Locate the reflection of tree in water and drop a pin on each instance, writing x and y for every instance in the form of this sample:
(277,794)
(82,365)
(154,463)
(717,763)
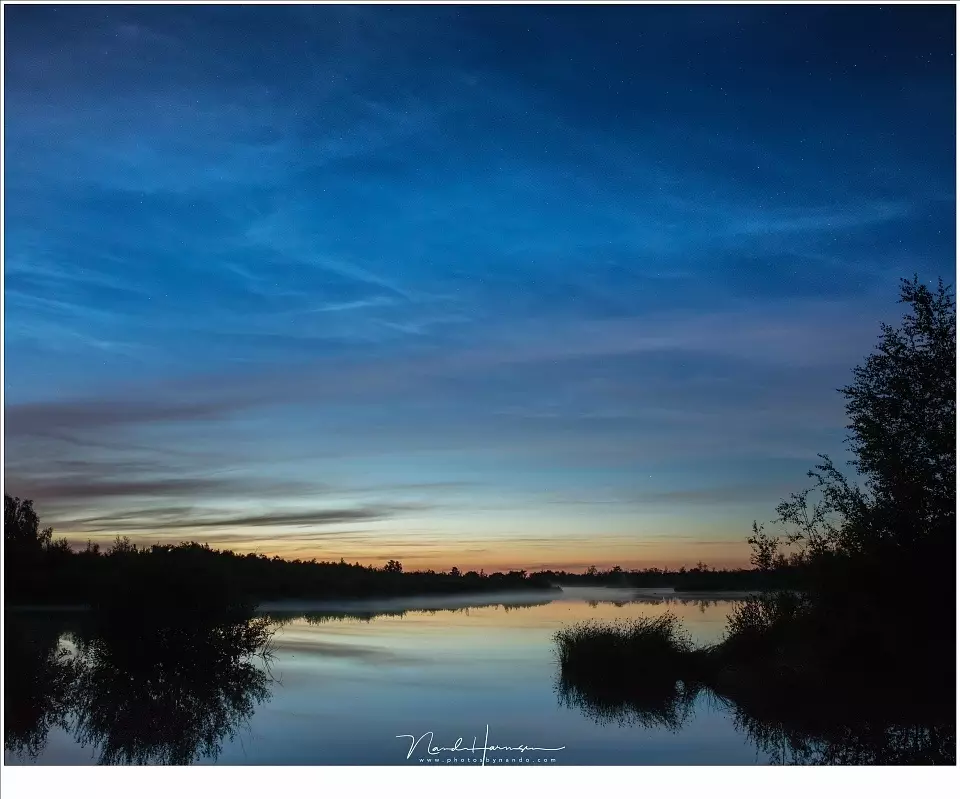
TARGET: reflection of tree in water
(702,603)
(371,613)
(811,735)
(648,704)
(158,692)
(169,694)
(39,675)
(837,741)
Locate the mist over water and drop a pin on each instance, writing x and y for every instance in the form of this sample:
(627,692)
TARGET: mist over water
(392,605)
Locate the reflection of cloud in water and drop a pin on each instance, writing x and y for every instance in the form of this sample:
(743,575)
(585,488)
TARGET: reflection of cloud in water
(372,655)
(569,597)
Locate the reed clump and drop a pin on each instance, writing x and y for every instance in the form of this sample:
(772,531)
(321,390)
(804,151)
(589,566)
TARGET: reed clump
(624,650)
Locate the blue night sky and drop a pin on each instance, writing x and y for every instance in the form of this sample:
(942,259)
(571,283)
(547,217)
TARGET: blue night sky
(487,286)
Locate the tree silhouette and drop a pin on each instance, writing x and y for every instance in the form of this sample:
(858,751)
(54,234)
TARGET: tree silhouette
(21,527)
(901,407)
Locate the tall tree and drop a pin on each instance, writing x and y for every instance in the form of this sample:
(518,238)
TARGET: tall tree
(901,408)
(21,526)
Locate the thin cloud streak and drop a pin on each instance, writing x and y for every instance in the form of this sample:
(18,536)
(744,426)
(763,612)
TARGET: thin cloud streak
(250,273)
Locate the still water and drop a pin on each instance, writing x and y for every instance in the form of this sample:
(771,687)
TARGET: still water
(358,685)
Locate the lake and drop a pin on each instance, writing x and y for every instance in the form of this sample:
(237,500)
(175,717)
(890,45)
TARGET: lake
(362,684)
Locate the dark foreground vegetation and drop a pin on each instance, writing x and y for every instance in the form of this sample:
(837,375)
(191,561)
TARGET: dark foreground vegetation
(647,672)
(598,666)
(859,667)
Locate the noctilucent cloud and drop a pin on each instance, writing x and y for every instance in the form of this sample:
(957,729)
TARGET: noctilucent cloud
(488,286)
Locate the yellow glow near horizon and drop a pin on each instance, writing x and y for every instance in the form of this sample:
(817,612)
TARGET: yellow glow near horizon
(563,554)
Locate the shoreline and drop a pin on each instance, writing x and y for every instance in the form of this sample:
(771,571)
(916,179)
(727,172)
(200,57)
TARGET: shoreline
(427,601)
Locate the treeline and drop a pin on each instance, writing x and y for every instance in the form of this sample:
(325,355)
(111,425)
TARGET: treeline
(44,570)
(699,578)
(40,570)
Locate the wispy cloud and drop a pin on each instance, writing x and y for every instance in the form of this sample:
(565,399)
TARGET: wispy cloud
(154,520)
(295,263)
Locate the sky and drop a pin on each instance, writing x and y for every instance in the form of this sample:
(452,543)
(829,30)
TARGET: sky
(493,287)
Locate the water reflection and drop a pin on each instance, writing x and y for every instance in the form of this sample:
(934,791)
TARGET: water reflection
(702,603)
(367,611)
(846,742)
(594,598)
(39,676)
(160,689)
(667,706)
(335,684)
(175,689)
(167,693)
(793,733)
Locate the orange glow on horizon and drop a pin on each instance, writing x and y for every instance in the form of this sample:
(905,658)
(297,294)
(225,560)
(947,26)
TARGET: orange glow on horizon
(565,556)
